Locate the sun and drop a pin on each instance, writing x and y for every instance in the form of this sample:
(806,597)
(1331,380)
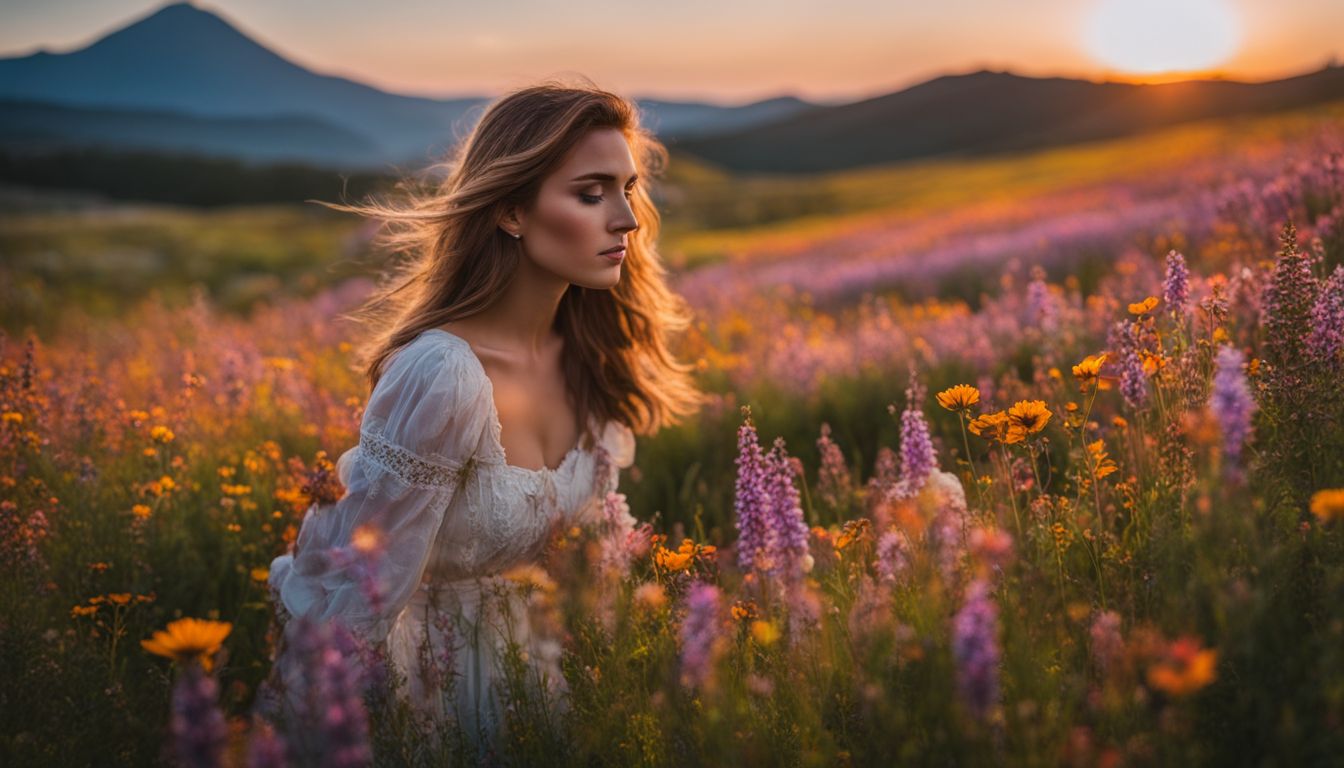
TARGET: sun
(1155,37)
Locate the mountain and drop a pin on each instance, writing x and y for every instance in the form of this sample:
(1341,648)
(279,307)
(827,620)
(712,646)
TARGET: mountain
(678,119)
(989,112)
(185,60)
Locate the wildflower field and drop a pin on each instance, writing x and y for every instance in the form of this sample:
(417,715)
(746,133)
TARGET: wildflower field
(1052,477)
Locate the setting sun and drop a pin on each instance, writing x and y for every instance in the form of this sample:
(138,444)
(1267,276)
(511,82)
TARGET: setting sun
(1153,37)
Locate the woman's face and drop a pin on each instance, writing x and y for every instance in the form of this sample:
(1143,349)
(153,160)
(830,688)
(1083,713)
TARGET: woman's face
(581,210)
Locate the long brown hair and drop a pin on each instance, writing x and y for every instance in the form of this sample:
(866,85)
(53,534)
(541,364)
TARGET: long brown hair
(456,260)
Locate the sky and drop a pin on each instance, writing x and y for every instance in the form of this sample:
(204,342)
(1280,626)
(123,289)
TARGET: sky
(736,51)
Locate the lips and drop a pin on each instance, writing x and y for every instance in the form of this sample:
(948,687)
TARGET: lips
(613,249)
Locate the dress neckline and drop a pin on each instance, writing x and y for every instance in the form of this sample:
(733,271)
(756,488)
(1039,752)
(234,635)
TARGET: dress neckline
(543,471)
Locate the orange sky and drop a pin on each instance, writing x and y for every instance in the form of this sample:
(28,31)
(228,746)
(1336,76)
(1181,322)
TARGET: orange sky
(836,50)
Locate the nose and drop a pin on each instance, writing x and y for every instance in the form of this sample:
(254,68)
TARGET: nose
(626,221)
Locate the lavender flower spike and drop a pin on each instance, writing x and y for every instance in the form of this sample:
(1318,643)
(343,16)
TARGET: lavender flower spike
(1326,338)
(975,648)
(752,502)
(1232,404)
(786,540)
(1176,287)
(1133,382)
(199,732)
(917,456)
(700,634)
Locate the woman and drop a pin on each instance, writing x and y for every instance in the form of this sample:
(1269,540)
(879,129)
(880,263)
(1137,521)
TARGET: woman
(531,316)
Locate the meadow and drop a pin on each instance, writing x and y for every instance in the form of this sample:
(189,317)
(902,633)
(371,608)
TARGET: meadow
(1041,461)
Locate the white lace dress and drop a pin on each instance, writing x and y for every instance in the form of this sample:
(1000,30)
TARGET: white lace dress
(429,478)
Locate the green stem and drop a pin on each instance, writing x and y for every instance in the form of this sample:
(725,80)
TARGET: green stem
(1012,491)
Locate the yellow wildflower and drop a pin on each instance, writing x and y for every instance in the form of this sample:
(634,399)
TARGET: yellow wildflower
(764,632)
(1101,463)
(650,595)
(1153,363)
(1328,504)
(187,639)
(744,609)
(531,575)
(1143,307)
(1090,368)
(672,561)
(1030,416)
(854,530)
(996,426)
(1187,668)
(961,397)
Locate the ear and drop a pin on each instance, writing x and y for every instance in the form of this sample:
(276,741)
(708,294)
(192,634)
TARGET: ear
(512,221)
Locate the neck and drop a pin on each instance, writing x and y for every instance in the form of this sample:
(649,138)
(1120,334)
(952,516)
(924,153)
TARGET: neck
(522,319)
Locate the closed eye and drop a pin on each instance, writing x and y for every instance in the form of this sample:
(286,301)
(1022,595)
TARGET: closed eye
(595,199)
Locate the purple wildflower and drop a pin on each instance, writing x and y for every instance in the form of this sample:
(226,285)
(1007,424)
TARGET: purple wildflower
(1133,382)
(1042,308)
(1232,404)
(917,456)
(786,540)
(833,483)
(1326,338)
(752,502)
(199,731)
(326,684)
(1107,645)
(265,749)
(975,649)
(892,556)
(700,634)
(1176,287)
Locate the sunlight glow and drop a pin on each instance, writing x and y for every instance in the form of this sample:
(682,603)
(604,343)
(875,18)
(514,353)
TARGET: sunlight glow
(1157,36)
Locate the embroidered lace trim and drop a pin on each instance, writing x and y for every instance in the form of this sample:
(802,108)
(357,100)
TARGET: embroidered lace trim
(411,469)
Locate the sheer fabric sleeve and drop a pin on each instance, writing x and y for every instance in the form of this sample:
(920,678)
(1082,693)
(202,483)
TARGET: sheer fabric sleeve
(361,558)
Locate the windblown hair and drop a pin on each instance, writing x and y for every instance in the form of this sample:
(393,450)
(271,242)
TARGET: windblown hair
(455,260)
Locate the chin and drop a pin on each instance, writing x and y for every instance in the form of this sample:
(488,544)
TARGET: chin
(602,283)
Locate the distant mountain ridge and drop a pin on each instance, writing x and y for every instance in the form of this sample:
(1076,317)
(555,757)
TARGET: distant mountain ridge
(989,112)
(182,59)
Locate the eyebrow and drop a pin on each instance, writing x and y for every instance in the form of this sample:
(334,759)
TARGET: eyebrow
(602,177)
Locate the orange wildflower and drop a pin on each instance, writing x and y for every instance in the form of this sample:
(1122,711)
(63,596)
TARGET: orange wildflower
(1101,463)
(187,639)
(1143,307)
(961,397)
(1030,416)
(1090,368)
(996,426)
(1328,504)
(1186,668)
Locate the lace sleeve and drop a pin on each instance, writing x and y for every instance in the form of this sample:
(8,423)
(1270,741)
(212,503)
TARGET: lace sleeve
(360,558)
